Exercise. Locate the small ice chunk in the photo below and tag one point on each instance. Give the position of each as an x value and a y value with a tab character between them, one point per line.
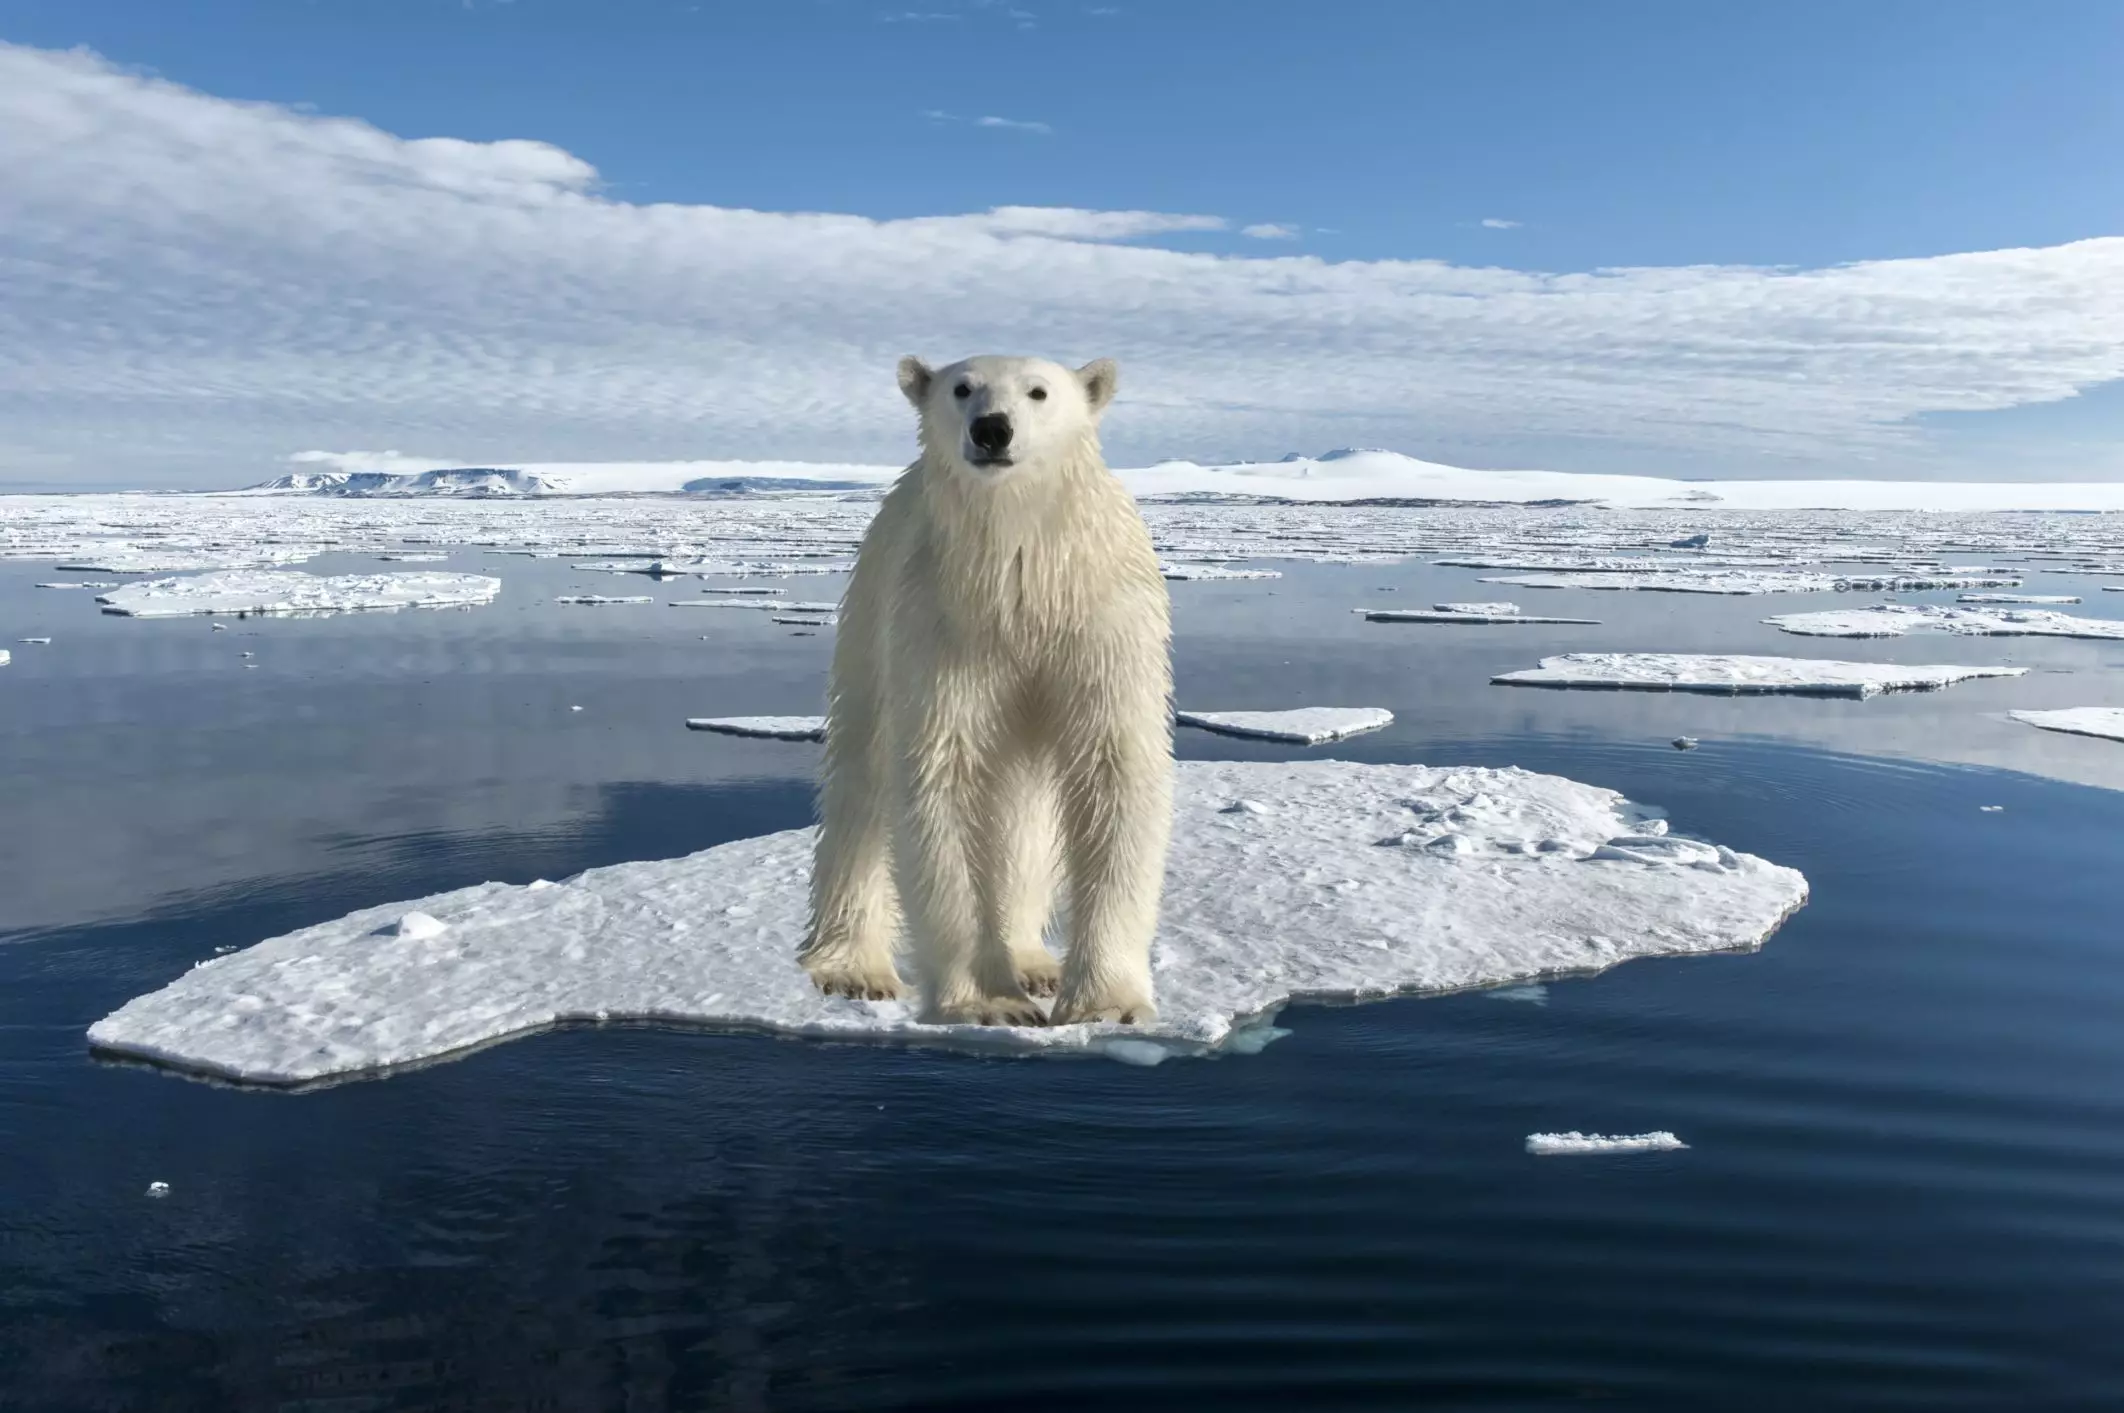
1488	610
1136	1052
6	657
778	728
158	1189
1549	1145
602	599
1246	807
1309	726
420	925
1742	675
1685	743
36	640
1465	613
1992	809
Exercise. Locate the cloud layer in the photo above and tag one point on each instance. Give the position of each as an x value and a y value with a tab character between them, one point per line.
192	288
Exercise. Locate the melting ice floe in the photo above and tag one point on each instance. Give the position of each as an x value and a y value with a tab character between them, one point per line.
779	728
2019	598
291	591
1216	571
1748	581
1742	676
1344	885
1549	1145
599	600
1309	726
2106	722
1893	620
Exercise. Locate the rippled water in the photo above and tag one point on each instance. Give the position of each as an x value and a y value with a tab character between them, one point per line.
1905	1184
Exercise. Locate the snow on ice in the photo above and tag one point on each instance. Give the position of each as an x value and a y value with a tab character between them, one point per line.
1357	881
1742	675
1893	620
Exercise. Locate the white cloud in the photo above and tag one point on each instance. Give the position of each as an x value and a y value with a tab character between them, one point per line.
1269	230
1499	223
1014	123
192	288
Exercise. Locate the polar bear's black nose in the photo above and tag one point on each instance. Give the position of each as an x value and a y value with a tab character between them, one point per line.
991	433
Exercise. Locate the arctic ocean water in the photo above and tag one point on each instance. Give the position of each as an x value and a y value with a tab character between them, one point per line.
1904	1186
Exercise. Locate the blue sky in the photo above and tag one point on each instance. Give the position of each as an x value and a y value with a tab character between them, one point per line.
1668	136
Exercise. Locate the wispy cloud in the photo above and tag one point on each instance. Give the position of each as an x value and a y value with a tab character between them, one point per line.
193	288
1270	230
1499	223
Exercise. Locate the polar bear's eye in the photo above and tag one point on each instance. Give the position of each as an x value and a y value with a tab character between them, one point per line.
962	390
1038	394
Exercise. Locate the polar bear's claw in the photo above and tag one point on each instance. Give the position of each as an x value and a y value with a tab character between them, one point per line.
992	1010
856	984
1141	1013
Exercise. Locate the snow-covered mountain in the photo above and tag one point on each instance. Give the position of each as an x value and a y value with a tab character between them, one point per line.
1348	476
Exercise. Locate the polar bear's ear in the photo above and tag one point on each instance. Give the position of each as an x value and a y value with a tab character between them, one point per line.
914	379
1099	378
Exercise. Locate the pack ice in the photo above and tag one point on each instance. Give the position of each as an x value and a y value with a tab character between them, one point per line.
1741	675
291	591
1286	880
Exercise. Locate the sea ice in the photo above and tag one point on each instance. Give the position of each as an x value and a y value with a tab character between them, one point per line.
598	599
158	1189
6	657
291	591
1742	675
1462	613
780	728
1893	620
1216	571
2106	722
46	641
1549	1145
1309	726
1735	581
2019	598
1302	901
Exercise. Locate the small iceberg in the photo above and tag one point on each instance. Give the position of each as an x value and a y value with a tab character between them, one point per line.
288	591
2106	722
778	728
1259	909
1305	726
1551	1145
1742	675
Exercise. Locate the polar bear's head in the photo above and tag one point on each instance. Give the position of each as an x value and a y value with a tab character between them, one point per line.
994	417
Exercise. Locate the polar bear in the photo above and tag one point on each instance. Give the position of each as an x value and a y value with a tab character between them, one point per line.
999	715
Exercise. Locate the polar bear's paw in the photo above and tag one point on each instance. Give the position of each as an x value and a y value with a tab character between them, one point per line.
990	1010
1087	1010
1038	972
855	981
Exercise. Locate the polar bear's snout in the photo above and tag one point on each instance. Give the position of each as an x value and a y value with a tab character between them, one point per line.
990	434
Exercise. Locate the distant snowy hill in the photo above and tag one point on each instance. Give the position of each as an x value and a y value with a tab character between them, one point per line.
1349	476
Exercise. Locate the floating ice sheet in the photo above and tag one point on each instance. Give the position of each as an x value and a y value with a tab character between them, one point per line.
1893	620
1309	726
1216	571
1549	1145
2106	722
779	728
595	600
291	591
1351	881
1734	581
1491	613
1741	675
2020	598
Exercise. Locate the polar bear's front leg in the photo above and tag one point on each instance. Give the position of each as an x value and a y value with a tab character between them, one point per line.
1014	871
1117	807
946	783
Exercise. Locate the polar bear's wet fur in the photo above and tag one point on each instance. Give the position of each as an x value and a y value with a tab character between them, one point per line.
999	716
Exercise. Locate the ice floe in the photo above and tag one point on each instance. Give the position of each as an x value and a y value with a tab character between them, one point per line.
1491	613
779	728
1737	581
1341	888
2020	598
1551	1145
1216	571
6	657
1893	620
2106	722
245	591
1742	675
596	600
1308	726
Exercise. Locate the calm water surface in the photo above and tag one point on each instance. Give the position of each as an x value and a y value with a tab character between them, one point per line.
1905	1185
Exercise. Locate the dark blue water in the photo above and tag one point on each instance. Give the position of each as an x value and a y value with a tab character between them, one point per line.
1905	1185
